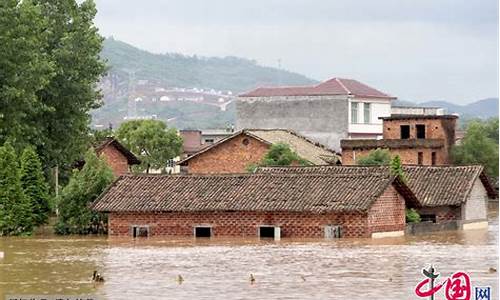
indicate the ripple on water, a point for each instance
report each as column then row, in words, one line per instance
column 147, row 269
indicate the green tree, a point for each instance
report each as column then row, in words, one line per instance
column 377, row 157
column 15, row 209
column 397, row 168
column 73, row 46
column 34, row 185
column 25, row 69
column 84, row 187
column 477, row 147
column 152, row 141
column 50, row 66
column 279, row 154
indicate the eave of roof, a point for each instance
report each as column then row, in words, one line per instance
column 131, row 158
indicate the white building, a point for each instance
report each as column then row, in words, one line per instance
column 327, row 112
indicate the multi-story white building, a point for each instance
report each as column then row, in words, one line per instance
column 328, row 112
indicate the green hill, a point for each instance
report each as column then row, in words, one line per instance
column 137, row 73
column 227, row 73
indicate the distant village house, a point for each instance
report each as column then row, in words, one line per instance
column 417, row 139
column 236, row 152
column 118, row 157
column 328, row 112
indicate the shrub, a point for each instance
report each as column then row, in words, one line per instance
column 377, row 157
column 84, row 187
column 412, row 216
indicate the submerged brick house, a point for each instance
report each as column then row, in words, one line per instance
column 417, row 139
column 257, row 205
column 243, row 148
column 118, row 157
column 445, row 193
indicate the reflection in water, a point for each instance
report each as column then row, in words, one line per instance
column 290, row 269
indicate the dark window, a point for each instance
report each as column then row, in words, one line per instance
column 170, row 163
column 428, row 218
column 140, row 231
column 202, row 232
column 420, row 131
column 245, row 141
column 433, row 157
column 405, row 132
column 209, row 141
column 420, row 158
column 266, row 232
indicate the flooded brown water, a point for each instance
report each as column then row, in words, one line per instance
column 214, row 269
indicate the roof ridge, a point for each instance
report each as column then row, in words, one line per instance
column 342, row 85
column 231, row 175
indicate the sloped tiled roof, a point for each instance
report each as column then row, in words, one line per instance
column 246, row 192
column 334, row 86
column 432, row 185
column 314, row 153
column 110, row 141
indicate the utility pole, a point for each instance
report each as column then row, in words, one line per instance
column 56, row 176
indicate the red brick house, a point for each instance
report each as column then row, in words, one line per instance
column 236, row 152
column 446, row 193
column 417, row 139
column 257, row 205
column 118, row 157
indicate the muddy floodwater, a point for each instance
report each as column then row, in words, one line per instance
column 220, row 268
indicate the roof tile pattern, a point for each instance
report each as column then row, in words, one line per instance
column 334, row 86
column 432, row 185
column 244, row 192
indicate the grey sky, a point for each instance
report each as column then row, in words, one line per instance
column 416, row 50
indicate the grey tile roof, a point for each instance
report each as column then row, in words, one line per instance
column 432, row 185
column 247, row 192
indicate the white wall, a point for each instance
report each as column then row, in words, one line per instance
column 476, row 207
column 378, row 108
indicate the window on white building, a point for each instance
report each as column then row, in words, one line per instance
column 354, row 112
column 367, row 113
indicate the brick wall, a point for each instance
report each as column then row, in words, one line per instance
column 232, row 156
column 443, row 213
column 408, row 156
column 434, row 129
column 115, row 160
column 238, row 224
column 387, row 213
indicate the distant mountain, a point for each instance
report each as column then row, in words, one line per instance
column 185, row 91
column 485, row 108
column 177, row 70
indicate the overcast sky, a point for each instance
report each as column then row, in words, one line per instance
column 416, row 50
